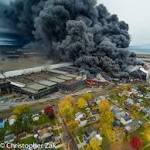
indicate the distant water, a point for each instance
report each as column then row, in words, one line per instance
column 141, row 51
column 11, row 38
column 7, row 41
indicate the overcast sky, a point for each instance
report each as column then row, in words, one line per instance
column 6, row 1
column 135, row 12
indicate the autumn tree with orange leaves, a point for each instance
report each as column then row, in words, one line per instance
column 106, row 119
column 66, row 108
column 81, row 103
column 72, row 124
column 94, row 144
column 87, row 96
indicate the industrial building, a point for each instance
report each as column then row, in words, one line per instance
column 40, row 84
column 4, row 87
column 40, row 81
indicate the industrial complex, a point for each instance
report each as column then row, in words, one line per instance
column 40, row 81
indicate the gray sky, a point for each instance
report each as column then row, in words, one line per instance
column 136, row 13
column 6, row 1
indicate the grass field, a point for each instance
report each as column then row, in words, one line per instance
column 29, row 140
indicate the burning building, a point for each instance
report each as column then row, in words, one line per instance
column 79, row 31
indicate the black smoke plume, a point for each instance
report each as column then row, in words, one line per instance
column 76, row 30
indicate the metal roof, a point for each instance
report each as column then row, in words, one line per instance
column 57, row 80
column 18, row 84
column 47, row 83
column 36, row 86
column 29, row 90
column 58, row 72
column 71, row 75
column 64, row 77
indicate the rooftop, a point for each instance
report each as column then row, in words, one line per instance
column 29, row 90
column 36, row 86
column 47, row 83
column 57, row 80
column 64, row 77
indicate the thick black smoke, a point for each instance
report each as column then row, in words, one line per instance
column 77, row 31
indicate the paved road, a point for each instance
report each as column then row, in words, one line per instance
column 51, row 97
column 68, row 138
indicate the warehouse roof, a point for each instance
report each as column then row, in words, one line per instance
column 18, row 84
column 29, row 90
column 58, row 72
column 47, row 83
column 36, row 86
column 57, row 80
column 71, row 75
column 64, row 77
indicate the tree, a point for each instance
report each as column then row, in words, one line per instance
column 23, row 122
column 94, row 144
column 87, row 96
column 142, row 88
column 2, row 134
column 72, row 124
column 17, row 127
column 147, row 132
column 106, row 120
column 104, row 106
column 110, row 134
column 136, row 143
column 106, row 117
column 19, row 110
column 105, row 113
column 49, row 111
column 66, row 107
column 81, row 103
column 125, row 87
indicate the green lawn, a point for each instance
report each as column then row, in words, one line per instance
column 29, row 140
column 45, row 120
column 60, row 148
column 56, row 132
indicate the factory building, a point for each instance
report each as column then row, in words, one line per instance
column 71, row 85
column 38, row 90
column 34, row 89
column 4, row 87
column 39, row 82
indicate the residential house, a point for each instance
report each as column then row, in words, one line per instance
column 146, row 111
column 35, row 117
column 129, row 102
column 44, row 135
column 81, row 118
column 147, row 96
column 139, row 100
column 2, row 123
column 120, row 115
column 99, row 99
column 58, row 140
column 134, row 91
column 12, row 119
column 91, row 103
column 125, row 93
column 91, row 133
column 93, row 118
column 132, row 126
column 10, row 138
